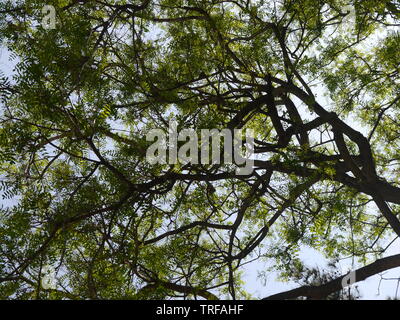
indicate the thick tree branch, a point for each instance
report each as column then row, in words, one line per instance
column 322, row 291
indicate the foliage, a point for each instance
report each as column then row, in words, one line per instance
column 320, row 91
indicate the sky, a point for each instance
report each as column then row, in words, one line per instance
column 370, row 289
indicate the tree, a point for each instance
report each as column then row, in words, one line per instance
column 316, row 81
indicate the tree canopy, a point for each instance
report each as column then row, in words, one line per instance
column 318, row 83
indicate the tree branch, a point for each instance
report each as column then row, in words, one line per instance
column 322, row 291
